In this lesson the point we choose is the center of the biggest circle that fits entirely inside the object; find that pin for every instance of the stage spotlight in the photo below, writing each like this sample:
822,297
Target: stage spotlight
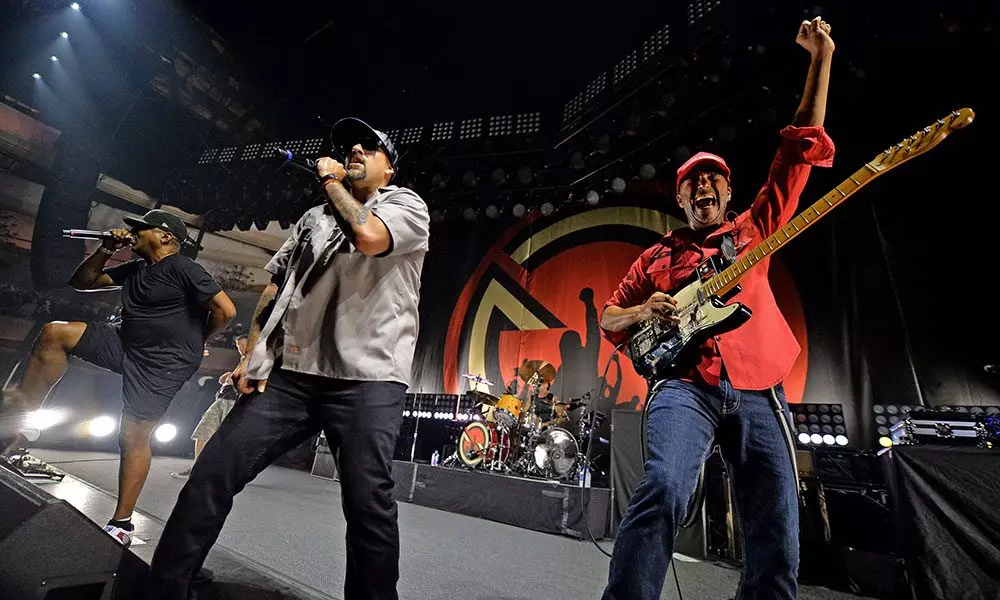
492,211
64,35
102,426
547,209
164,433
469,213
519,210
43,418
470,179
36,76
593,197
576,161
437,215
54,58
406,413
498,176
647,172
804,438
618,185
816,438
885,441
75,6
841,440
829,440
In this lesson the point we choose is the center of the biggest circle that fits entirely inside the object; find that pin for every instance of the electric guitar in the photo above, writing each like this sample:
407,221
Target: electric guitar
657,346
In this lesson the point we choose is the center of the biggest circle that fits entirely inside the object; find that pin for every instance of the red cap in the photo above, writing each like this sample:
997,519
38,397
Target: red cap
701,157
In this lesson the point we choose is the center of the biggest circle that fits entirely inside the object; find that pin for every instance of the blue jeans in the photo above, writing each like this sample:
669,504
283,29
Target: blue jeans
683,420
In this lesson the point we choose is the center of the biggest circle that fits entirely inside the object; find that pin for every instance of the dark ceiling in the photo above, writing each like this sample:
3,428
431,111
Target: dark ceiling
416,62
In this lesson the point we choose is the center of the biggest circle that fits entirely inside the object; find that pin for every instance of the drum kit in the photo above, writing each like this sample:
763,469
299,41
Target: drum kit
529,437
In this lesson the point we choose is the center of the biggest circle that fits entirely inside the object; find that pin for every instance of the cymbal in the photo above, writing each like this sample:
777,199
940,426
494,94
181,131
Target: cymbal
543,368
478,379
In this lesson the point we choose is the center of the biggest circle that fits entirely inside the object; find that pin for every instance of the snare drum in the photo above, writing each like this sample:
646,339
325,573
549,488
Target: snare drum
483,445
508,410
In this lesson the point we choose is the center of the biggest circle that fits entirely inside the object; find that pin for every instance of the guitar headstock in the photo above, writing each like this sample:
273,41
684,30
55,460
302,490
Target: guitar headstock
922,141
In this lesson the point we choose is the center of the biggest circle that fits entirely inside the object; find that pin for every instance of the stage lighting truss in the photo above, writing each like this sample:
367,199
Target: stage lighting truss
410,135
470,129
594,88
270,149
442,131
208,156
625,67
501,125
528,123
655,44
251,152
699,9
822,422
227,154
573,109
312,146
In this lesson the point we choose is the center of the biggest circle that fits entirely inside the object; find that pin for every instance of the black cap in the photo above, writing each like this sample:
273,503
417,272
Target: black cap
160,219
351,130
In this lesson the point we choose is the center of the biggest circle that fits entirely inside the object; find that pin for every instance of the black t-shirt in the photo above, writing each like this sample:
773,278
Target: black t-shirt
163,320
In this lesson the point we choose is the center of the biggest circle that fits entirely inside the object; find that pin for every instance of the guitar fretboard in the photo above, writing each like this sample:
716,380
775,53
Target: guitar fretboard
726,279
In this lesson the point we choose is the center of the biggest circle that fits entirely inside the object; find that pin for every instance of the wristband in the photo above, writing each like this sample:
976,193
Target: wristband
107,251
328,178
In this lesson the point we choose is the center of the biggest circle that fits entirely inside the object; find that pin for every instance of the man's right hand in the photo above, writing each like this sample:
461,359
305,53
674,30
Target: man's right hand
243,384
659,305
122,238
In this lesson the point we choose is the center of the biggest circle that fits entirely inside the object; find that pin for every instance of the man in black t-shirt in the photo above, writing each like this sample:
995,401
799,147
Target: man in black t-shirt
170,307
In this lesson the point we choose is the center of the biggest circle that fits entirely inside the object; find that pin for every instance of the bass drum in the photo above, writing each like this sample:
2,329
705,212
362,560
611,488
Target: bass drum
556,453
482,445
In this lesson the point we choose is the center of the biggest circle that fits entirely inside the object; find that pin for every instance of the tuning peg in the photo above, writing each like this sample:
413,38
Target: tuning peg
939,122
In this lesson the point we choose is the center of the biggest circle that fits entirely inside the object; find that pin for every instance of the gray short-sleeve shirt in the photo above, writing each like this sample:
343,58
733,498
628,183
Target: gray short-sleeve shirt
350,316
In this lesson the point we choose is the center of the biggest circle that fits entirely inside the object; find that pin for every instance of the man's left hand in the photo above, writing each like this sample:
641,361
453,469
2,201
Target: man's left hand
327,166
814,36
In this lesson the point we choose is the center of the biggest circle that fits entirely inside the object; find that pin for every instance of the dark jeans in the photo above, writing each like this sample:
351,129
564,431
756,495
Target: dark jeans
683,420
360,418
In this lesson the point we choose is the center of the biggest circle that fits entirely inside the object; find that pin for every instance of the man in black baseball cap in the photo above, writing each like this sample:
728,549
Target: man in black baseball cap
160,219
351,131
170,307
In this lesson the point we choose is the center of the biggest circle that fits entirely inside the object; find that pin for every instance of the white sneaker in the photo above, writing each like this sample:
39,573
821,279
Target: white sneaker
122,536
183,474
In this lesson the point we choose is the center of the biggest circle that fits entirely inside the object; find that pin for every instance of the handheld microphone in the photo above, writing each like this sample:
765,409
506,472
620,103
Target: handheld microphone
299,162
88,234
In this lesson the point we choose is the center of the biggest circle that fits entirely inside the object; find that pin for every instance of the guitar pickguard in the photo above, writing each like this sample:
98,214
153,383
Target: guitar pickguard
658,347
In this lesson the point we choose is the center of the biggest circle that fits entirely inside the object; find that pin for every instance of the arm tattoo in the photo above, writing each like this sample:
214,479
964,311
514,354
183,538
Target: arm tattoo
361,216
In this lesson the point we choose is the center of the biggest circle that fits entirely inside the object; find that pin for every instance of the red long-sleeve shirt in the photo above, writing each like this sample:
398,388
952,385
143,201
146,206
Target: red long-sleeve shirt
758,354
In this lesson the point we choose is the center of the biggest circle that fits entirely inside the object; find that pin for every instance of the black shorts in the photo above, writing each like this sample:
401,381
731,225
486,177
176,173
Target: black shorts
146,393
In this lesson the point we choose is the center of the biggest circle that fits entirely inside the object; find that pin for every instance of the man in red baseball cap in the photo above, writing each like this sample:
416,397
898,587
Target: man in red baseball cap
730,394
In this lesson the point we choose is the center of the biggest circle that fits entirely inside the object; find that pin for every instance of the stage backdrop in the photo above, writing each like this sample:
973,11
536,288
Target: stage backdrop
497,292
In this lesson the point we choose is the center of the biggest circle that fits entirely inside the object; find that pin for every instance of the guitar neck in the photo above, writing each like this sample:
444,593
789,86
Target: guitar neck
724,281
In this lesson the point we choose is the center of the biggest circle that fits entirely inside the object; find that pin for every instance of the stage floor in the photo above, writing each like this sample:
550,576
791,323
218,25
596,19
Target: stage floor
286,533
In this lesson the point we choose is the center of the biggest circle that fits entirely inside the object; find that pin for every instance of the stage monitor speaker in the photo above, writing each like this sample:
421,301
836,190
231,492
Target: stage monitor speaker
50,551
626,472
